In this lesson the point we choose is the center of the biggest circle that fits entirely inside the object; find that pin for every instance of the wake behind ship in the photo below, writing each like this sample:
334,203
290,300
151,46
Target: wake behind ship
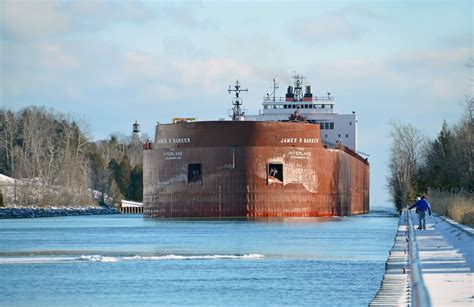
297,158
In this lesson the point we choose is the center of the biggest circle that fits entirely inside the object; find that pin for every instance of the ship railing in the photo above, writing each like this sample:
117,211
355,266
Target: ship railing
267,99
419,293
230,112
272,110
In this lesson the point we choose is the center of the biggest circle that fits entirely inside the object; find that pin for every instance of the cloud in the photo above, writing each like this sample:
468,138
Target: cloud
362,72
324,29
442,88
187,16
432,58
333,26
29,21
205,74
29,67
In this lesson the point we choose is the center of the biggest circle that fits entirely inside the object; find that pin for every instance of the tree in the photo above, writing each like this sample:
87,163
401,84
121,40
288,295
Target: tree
404,162
438,171
136,183
123,178
449,161
8,133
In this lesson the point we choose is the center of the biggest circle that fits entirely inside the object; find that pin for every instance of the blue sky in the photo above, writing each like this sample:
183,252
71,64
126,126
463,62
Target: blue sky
114,62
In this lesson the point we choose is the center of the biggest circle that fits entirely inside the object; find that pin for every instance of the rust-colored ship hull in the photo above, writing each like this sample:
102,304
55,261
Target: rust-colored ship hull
251,169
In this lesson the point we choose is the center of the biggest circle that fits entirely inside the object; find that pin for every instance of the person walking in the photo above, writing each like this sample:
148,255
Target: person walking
422,206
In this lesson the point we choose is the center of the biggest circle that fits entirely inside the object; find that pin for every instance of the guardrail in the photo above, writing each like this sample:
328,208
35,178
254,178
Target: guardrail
419,293
310,99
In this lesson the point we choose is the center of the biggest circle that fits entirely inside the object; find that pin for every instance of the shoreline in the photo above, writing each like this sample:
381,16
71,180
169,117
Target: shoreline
28,212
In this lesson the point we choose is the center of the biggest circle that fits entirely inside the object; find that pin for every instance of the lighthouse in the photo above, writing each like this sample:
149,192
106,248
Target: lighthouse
136,134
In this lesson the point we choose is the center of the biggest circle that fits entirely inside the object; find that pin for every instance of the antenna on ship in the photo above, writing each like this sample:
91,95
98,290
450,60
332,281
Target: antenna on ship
298,86
237,113
275,87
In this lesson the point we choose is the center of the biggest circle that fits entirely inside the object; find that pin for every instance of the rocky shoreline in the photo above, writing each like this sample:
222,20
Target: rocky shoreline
28,212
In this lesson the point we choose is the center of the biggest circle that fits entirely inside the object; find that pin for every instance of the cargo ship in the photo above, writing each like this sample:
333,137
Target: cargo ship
296,158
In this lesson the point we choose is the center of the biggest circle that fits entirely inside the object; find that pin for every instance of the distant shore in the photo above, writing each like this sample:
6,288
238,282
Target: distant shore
28,212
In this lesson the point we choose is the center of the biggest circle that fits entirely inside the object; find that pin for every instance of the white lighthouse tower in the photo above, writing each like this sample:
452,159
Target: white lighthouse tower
136,134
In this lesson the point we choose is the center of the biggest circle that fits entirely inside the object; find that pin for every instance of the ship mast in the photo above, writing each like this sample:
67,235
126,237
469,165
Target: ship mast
298,87
237,113
275,87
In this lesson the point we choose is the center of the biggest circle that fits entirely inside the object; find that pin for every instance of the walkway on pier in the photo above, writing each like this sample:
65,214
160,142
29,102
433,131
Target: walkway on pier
446,257
447,262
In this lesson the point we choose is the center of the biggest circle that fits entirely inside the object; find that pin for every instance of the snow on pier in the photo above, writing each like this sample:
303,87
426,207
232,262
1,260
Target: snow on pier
445,254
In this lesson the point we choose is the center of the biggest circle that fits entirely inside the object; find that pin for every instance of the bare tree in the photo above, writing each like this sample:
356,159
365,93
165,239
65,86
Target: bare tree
404,161
8,130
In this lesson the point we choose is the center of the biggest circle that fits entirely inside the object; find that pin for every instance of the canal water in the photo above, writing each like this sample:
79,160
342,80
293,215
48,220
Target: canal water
128,260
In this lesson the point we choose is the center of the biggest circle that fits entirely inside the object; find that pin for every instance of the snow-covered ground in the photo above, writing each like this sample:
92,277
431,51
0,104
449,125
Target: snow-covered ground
447,261
6,180
34,189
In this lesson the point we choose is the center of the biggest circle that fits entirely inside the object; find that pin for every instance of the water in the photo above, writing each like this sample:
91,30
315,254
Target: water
128,260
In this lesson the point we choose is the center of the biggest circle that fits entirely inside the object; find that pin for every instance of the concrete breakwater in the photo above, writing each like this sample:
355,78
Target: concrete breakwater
24,212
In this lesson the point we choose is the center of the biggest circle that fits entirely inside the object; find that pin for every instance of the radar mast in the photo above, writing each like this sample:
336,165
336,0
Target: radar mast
298,87
237,113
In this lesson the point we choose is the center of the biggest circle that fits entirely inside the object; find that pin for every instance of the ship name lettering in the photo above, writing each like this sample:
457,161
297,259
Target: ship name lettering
288,140
300,140
179,140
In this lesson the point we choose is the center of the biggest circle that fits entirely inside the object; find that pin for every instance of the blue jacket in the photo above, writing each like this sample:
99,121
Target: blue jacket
421,206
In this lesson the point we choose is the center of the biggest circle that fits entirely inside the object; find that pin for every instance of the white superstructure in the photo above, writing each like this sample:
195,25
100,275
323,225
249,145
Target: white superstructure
335,128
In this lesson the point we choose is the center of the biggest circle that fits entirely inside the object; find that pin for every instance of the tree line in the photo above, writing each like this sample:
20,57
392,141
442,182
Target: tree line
446,164
59,164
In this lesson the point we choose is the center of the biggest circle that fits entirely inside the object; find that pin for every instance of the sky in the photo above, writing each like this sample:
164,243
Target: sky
110,63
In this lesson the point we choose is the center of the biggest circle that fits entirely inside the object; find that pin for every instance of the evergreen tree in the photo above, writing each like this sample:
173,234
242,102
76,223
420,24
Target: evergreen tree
136,183
439,170
123,176
100,173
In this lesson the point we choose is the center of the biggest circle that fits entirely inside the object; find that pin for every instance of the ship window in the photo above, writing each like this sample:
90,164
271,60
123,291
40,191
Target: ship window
194,172
347,135
326,126
275,172
321,126
331,126
350,123
338,135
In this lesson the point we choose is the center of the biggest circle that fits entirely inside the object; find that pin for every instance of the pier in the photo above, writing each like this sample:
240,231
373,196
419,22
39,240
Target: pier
131,207
432,267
